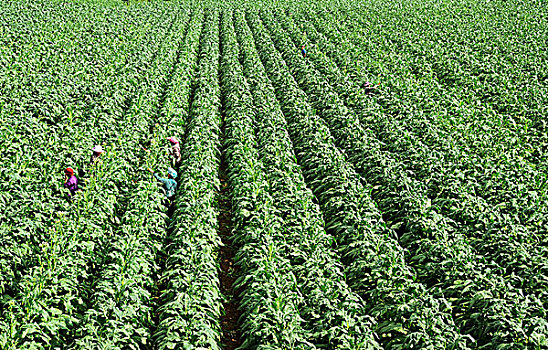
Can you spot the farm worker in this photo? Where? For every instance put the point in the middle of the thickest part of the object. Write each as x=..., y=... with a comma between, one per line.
x=175, y=149
x=97, y=151
x=369, y=87
x=71, y=182
x=170, y=184
x=303, y=51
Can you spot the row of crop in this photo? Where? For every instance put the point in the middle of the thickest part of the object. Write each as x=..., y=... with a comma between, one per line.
x=489, y=172
x=120, y=307
x=270, y=295
x=349, y=93
x=36, y=147
x=345, y=132
x=481, y=57
x=367, y=245
x=317, y=262
x=173, y=121
x=485, y=223
x=405, y=201
x=121, y=310
x=488, y=133
x=119, y=157
x=54, y=293
x=190, y=314
x=176, y=108
x=492, y=152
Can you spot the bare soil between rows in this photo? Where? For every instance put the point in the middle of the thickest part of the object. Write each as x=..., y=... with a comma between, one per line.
x=229, y=321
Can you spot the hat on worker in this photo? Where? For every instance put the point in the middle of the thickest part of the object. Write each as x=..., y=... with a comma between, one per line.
x=172, y=139
x=172, y=172
x=98, y=149
x=69, y=171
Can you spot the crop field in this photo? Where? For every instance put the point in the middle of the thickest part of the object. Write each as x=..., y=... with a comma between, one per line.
x=386, y=190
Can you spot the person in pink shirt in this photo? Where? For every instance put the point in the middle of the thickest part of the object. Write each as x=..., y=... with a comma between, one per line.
x=175, y=150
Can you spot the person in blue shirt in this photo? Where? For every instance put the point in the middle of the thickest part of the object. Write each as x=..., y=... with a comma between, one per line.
x=170, y=185
x=303, y=51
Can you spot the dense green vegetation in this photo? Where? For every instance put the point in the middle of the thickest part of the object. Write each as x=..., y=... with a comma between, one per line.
x=410, y=216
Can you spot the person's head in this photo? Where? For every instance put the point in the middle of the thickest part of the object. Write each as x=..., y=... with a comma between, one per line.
x=97, y=150
x=69, y=172
x=171, y=173
x=173, y=140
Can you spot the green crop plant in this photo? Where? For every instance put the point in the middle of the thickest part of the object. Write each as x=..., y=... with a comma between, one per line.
x=190, y=310
x=409, y=216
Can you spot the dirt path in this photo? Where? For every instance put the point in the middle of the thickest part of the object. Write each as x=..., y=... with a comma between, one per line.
x=229, y=321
